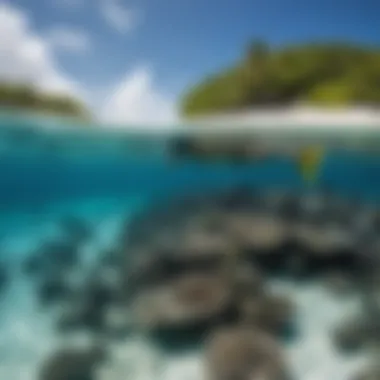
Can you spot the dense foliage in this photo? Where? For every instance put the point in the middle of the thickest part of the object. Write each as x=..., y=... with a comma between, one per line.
x=28, y=98
x=322, y=74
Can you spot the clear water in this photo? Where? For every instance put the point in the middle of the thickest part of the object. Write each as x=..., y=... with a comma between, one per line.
x=49, y=173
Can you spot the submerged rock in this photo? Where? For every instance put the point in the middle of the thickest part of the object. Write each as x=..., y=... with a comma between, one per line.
x=272, y=314
x=328, y=248
x=33, y=265
x=240, y=198
x=75, y=229
x=146, y=226
x=339, y=283
x=72, y=364
x=194, y=301
x=256, y=233
x=4, y=277
x=313, y=208
x=89, y=306
x=112, y=258
x=60, y=254
x=365, y=221
x=353, y=335
x=196, y=251
x=146, y=269
x=370, y=373
x=82, y=316
x=244, y=354
x=322, y=240
x=53, y=289
x=117, y=322
x=52, y=257
x=296, y=263
x=288, y=207
x=247, y=281
x=200, y=247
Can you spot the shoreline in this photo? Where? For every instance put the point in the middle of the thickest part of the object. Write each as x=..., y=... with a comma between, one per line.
x=296, y=117
x=355, y=128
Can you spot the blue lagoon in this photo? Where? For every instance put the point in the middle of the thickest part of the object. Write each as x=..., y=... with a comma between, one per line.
x=83, y=210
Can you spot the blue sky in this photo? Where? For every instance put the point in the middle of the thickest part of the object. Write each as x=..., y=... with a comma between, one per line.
x=169, y=44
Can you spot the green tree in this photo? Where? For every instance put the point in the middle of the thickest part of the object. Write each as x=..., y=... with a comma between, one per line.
x=28, y=98
x=326, y=74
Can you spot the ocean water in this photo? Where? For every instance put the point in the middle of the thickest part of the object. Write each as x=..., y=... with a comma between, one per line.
x=103, y=179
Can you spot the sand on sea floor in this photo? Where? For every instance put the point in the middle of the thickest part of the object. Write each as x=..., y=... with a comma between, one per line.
x=27, y=334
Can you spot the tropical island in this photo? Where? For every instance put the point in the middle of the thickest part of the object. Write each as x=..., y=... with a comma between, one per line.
x=28, y=98
x=313, y=84
x=328, y=74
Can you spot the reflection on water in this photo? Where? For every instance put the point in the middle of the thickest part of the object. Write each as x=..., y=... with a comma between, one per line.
x=98, y=228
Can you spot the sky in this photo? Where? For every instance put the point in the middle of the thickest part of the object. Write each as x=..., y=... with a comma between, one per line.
x=130, y=60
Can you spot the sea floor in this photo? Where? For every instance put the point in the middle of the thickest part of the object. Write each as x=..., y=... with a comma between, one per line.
x=27, y=335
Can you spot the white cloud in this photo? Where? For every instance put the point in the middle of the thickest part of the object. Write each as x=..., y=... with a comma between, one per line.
x=26, y=57
x=136, y=100
x=120, y=18
x=68, y=39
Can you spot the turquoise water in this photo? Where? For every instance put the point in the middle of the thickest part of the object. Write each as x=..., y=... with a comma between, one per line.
x=103, y=178
x=39, y=164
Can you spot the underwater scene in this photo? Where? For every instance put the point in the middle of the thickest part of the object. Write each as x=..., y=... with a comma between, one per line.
x=119, y=261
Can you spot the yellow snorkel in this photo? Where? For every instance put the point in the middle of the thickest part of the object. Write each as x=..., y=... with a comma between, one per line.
x=310, y=162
